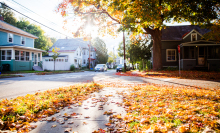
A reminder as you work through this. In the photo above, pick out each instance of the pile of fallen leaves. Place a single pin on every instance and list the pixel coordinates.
(175, 74)
(161, 109)
(18, 113)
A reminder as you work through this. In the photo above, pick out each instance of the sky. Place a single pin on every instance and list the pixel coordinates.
(44, 12)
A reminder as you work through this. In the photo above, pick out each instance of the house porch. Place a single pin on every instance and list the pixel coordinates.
(200, 57)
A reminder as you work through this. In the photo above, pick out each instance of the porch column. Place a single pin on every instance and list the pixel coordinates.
(41, 56)
(13, 54)
(30, 56)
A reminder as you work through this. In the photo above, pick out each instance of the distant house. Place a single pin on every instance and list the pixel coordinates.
(195, 53)
(72, 52)
(17, 50)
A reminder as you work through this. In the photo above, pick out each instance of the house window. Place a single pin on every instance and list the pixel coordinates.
(17, 55)
(10, 37)
(27, 56)
(193, 37)
(22, 55)
(6, 54)
(84, 52)
(22, 40)
(80, 53)
(50, 59)
(66, 60)
(84, 61)
(46, 60)
(171, 54)
(77, 53)
(33, 56)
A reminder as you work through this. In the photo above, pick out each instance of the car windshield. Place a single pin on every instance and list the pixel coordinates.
(100, 65)
(120, 65)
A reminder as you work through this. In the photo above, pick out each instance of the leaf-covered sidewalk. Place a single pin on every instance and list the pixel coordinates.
(175, 74)
(18, 113)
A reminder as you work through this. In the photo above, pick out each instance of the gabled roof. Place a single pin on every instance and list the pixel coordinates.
(67, 45)
(188, 33)
(14, 30)
(178, 32)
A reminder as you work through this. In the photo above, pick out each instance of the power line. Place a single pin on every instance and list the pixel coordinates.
(34, 20)
(27, 9)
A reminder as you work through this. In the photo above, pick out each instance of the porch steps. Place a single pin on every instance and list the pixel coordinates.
(37, 68)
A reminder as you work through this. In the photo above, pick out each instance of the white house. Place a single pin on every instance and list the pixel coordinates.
(72, 52)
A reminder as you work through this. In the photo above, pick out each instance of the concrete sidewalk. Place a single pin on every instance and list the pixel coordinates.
(182, 82)
(88, 117)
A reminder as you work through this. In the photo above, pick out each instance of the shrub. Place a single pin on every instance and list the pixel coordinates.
(83, 68)
(123, 69)
(72, 68)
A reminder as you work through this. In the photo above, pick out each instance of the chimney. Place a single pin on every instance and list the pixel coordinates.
(1, 18)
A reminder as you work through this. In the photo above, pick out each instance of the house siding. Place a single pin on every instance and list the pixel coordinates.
(188, 38)
(16, 39)
(188, 64)
(214, 64)
(169, 45)
(29, 42)
(3, 38)
(18, 65)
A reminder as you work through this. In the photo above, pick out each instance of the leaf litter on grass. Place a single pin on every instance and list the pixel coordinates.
(17, 114)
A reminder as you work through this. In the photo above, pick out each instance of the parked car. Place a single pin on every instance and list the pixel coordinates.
(121, 66)
(101, 67)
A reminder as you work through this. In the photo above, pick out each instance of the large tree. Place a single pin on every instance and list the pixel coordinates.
(43, 42)
(144, 16)
(8, 15)
(101, 50)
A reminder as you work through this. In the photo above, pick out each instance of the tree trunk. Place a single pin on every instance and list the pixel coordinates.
(157, 46)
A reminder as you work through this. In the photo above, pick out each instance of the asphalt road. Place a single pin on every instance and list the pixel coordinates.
(18, 86)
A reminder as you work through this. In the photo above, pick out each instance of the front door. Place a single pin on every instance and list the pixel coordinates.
(35, 60)
(201, 56)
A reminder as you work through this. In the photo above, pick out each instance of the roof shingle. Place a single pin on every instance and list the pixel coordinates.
(70, 44)
(177, 32)
(13, 29)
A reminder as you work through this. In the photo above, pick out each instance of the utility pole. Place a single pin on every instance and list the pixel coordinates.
(124, 50)
(113, 57)
(89, 53)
